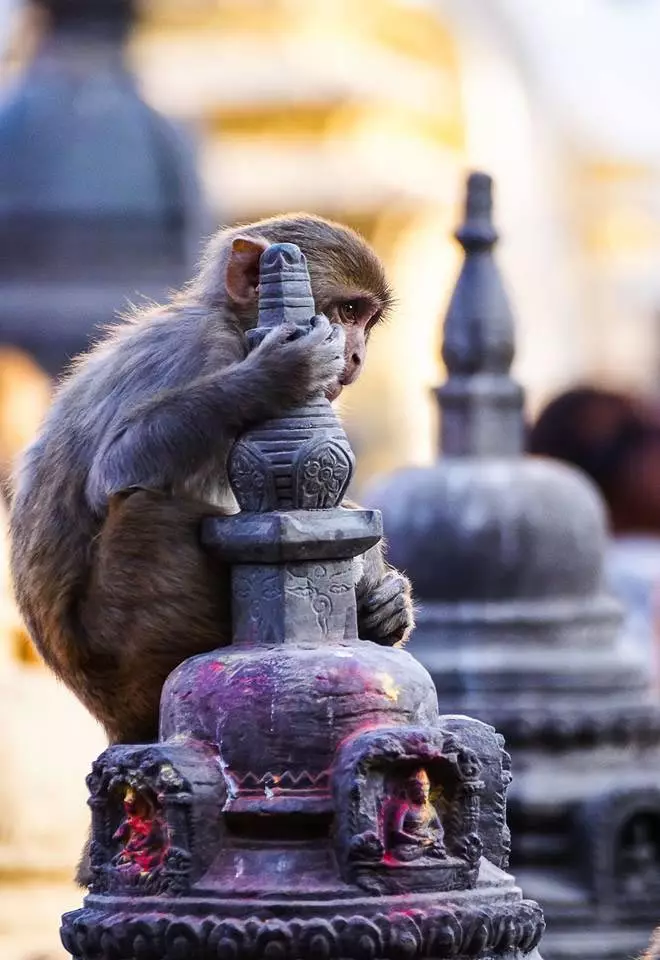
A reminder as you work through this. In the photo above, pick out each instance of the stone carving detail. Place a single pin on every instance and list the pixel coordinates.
(256, 592)
(304, 463)
(142, 822)
(412, 826)
(321, 589)
(499, 806)
(251, 482)
(408, 807)
(142, 833)
(136, 830)
(437, 932)
(323, 472)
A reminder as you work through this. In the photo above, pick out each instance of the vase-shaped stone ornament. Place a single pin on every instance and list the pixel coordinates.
(304, 799)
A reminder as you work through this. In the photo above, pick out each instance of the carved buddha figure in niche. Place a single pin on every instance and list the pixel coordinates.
(414, 826)
(142, 832)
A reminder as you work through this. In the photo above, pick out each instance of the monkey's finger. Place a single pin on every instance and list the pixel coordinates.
(321, 330)
(385, 593)
(387, 634)
(338, 334)
(289, 332)
(317, 320)
(396, 625)
(283, 333)
(375, 619)
(393, 629)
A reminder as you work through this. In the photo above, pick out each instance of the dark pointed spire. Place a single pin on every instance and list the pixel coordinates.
(481, 405)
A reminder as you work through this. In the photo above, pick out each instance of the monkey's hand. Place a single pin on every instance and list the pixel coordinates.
(385, 610)
(301, 365)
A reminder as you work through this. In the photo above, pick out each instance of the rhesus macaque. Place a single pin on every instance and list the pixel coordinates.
(108, 569)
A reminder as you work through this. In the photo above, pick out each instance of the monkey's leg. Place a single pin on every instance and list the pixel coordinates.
(155, 598)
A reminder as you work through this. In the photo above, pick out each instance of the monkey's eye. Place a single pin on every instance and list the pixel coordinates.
(349, 311)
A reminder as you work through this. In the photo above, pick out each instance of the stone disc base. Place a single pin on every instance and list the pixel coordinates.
(482, 923)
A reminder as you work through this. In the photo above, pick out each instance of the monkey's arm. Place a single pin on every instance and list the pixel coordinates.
(384, 597)
(161, 440)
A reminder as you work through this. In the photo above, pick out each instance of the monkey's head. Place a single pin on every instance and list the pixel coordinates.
(348, 280)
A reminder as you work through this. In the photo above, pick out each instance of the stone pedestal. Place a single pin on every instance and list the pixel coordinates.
(305, 798)
(505, 553)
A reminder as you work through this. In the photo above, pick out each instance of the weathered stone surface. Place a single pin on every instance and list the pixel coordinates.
(514, 623)
(305, 798)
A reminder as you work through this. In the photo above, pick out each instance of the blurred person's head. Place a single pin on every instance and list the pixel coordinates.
(615, 440)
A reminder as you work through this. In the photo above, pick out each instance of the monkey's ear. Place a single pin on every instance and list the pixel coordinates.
(242, 275)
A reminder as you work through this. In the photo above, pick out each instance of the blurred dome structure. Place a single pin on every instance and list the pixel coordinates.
(99, 199)
(514, 623)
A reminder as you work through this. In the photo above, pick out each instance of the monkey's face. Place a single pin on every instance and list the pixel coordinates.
(358, 315)
(348, 280)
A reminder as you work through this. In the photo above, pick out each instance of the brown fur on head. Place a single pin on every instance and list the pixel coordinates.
(337, 257)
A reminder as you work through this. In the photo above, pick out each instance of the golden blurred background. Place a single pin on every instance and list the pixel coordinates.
(369, 112)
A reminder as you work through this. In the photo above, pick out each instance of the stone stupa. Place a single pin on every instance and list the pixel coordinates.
(100, 202)
(305, 800)
(514, 623)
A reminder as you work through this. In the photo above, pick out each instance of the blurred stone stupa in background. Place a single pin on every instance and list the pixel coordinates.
(506, 556)
(99, 199)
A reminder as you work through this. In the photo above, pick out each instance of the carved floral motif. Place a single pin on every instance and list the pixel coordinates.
(323, 473)
(249, 475)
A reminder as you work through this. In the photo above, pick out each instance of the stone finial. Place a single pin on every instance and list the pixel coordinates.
(285, 291)
(481, 405)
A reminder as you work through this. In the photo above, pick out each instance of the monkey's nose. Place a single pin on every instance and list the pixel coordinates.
(356, 360)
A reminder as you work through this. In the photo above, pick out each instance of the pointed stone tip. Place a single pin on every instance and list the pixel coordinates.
(283, 256)
(285, 290)
(479, 197)
(477, 230)
(481, 405)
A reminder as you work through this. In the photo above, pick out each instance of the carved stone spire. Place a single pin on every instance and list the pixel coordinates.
(285, 291)
(481, 404)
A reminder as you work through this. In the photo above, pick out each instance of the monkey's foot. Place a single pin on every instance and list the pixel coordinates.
(385, 615)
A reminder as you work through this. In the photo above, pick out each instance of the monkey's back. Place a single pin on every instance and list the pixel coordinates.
(52, 524)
